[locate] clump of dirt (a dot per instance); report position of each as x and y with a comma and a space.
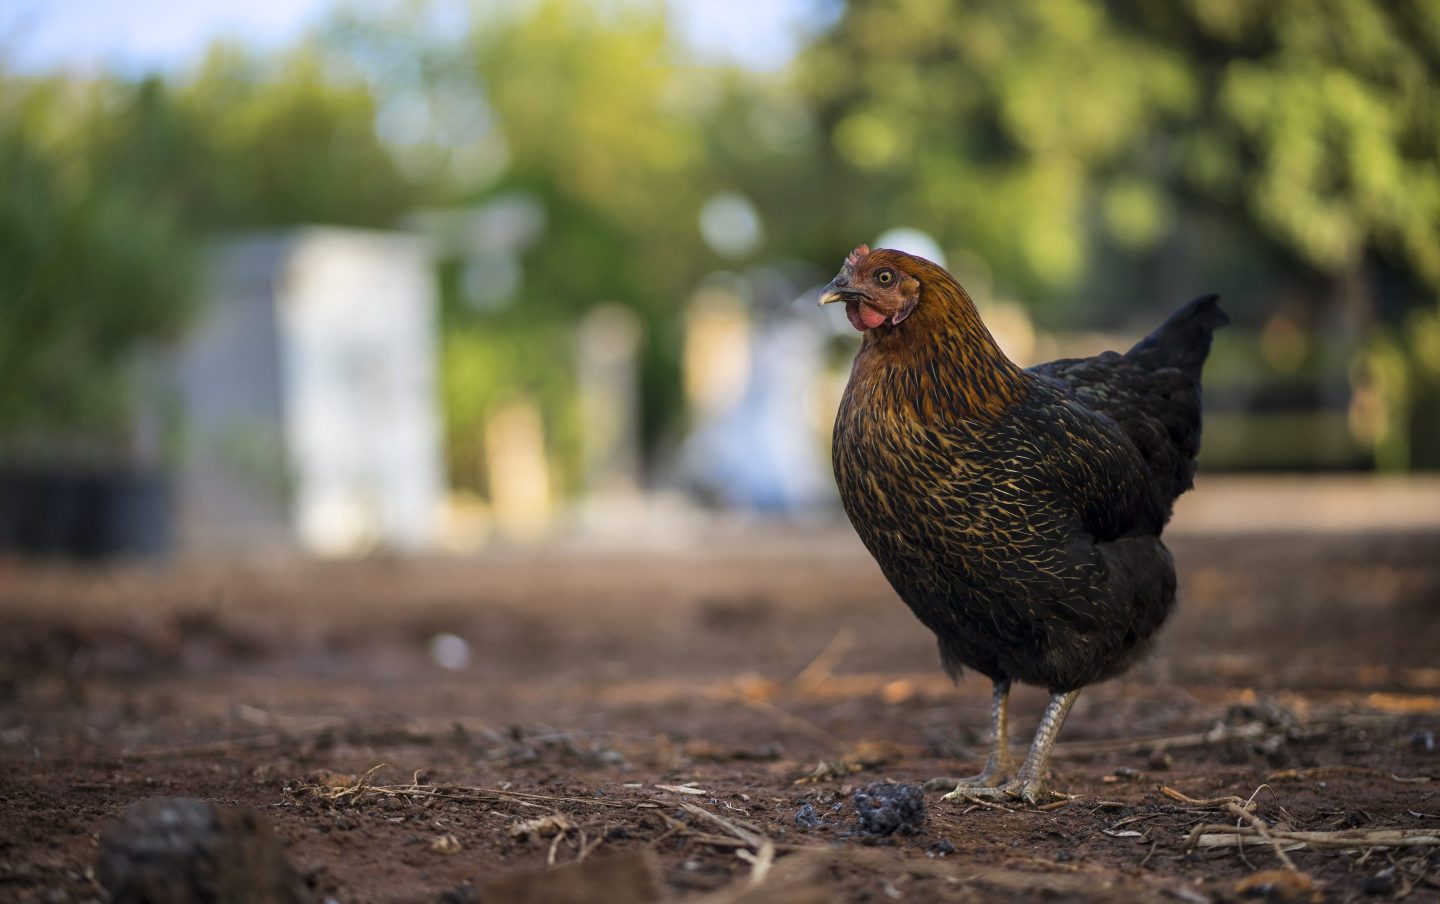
887, 808
177, 850
806, 817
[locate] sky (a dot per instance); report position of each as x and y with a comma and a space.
138, 36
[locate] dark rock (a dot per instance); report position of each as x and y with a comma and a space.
1423, 741
887, 808
943, 846
180, 849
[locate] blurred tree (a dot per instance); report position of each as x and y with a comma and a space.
91, 276
1296, 138
994, 126
598, 121
590, 118
252, 143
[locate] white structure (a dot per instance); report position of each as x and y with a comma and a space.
309, 398
759, 440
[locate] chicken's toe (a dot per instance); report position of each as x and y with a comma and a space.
989, 778
1027, 792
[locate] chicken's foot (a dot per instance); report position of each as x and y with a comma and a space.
1029, 786
998, 765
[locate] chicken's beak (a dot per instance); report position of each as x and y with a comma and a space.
840, 292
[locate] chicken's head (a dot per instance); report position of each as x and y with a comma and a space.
877, 287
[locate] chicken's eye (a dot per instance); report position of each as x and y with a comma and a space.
885, 277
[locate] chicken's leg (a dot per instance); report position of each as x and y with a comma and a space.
998, 765
1029, 785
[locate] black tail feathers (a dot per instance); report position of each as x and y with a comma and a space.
1183, 340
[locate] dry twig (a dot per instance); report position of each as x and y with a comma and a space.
760, 862
1263, 831
752, 838
353, 793
1209, 803
1359, 771
1206, 836
821, 667
788, 718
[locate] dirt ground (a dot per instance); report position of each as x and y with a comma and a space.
718, 707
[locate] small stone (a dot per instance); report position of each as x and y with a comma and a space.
1423, 741
805, 817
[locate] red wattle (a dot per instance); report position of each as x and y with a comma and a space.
863, 317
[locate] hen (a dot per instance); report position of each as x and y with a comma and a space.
1017, 512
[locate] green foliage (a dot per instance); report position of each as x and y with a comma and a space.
487, 367
592, 109
1010, 128
1098, 151
601, 127
997, 128
91, 276
248, 144
1339, 117
1401, 371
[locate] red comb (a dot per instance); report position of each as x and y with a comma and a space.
856, 256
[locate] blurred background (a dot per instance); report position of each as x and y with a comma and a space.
404, 276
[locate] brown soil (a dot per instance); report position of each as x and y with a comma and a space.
1302, 673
